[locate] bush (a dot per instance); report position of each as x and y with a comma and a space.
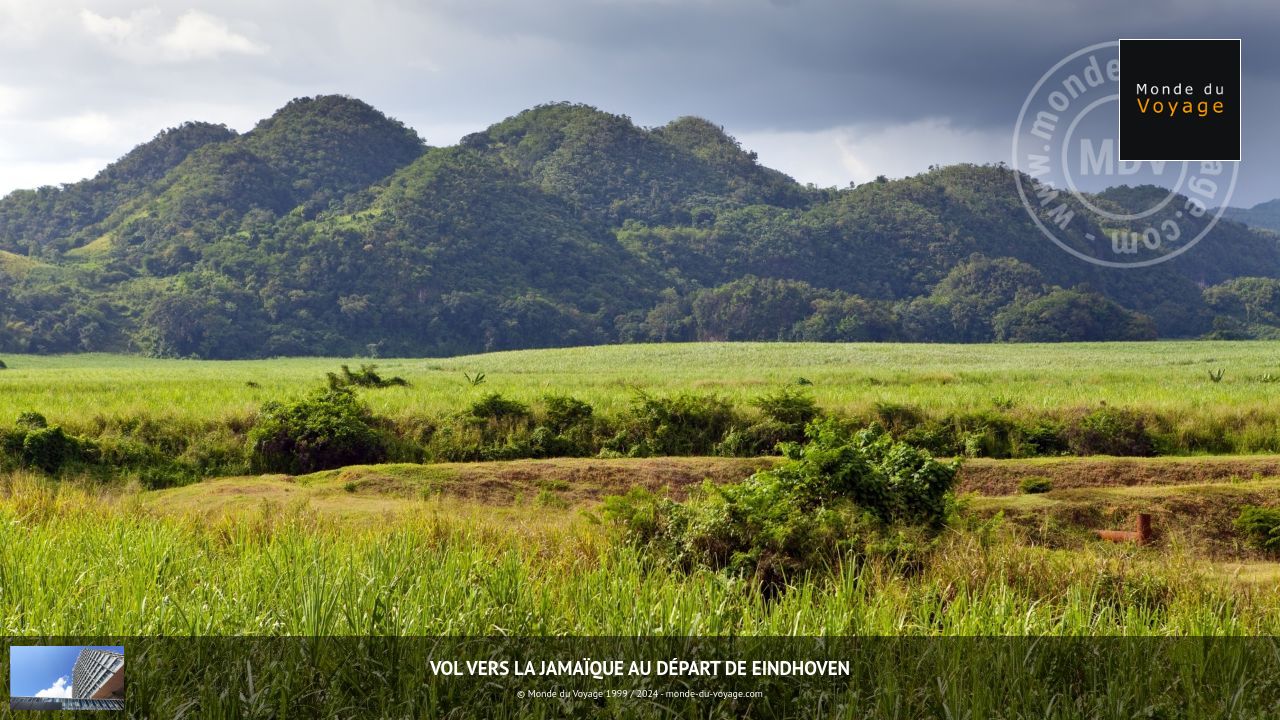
761, 438
50, 448
1109, 431
789, 407
32, 420
1043, 436
1260, 527
786, 413
898, 417
495, 428
541, 442
11, 446
1035, 484
936, 436
3, 366
328, 429
985, 434
565, 413
684, 424
366, 376
495, 407
837, 493
34, 443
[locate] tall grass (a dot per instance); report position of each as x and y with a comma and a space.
75, 562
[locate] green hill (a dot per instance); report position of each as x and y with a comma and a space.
1263, 215
330, 228
31, 220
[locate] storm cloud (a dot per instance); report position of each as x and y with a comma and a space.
830, 92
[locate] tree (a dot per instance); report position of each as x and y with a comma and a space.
1071, 315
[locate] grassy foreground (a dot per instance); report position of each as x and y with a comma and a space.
78, 561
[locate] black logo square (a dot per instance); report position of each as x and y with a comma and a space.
1179, 100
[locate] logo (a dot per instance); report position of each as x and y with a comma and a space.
1180, 99
1101, 209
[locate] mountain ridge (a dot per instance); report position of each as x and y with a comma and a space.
330, 228
1264, 215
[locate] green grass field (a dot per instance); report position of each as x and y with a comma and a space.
1171, 377
519, 547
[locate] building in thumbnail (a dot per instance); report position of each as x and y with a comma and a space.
43, 703
98, 675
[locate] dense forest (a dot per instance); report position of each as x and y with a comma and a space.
331, 229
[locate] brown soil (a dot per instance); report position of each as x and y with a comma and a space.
1001, 477
586, 480
575, 480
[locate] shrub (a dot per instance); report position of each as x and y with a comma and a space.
1035, 484
760, 438
455, 441
32, 420
11, 446
684, 424
366, 376
984, 434
1109, 431
34, 443
49, 448
898, 417
936, 436
1260, 527
1043, 436
788, 406
495, 407
328, 429
837, 493
495, 428
565, 413
785, 415
544, 442
492, 428
3, 366
570, 429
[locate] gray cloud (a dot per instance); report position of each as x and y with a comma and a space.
84, 81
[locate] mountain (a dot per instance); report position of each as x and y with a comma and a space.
608, 168
309, 155
1263, 215
31, 220
330, 228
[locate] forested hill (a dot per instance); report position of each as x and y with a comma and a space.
331, 229
1263, 215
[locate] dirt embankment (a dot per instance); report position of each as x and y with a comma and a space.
1001, 477
576, 480
586, 480
572, 482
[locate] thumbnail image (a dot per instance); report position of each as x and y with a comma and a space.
66, 677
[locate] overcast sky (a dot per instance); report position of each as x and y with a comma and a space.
828, 91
